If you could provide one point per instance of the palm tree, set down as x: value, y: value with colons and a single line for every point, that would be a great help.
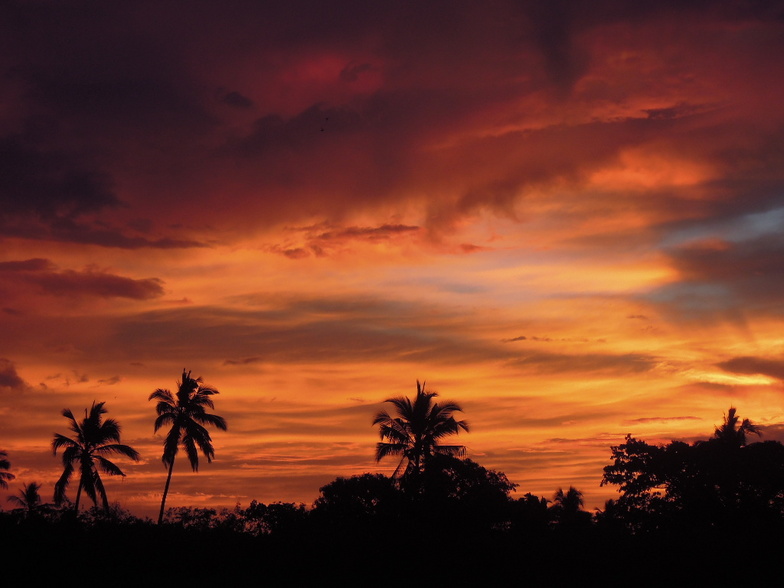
x: 415, y: 433
x: 568, y: 502
x: 567, y: 509
x: 732, y: 434
x: 29, y: 498
x: 186, y: 413
x: 93, y: 440
x: 5, y: 475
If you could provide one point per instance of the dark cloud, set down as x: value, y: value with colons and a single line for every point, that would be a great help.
x: 550, y: 339
x: 292, y: 336
x: 644, y: 420
x: 135, y: 117
x: 554, y: 33
x: 277, y: 137
x: 754, y: 365
x: 243, y: 361
x: 46, y: 195
x: 383, y: 232
x: 323, y: 239
x: 10, y: 381
x: 90, y: 235
x: 28, y: 265
x: 97, y: 283
x: 237, y: 100
x: 43, y: 274
x: 48, y: 184
x: 353, y: 71
x: 718, y: 276
x: 110, y: 381
x: 550, y: 363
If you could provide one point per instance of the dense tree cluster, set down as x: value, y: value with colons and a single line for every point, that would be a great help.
x: 722, y: 482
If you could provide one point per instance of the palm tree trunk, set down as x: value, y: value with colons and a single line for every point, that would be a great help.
x: 165, y: 492
x: 78, y: 496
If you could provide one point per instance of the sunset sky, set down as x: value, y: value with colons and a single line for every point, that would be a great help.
x: 565, y: 216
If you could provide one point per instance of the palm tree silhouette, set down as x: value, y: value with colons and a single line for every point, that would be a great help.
x: 5, y: 465
x: 568, y: 502
x: 93, y: 440
x: 733, y: 434
x: 415, y: 433
x: 29, y: 498
x: 186, y: 413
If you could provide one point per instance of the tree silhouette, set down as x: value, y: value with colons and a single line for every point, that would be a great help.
x: 732, y: 434
x: 362, y: 499
x: 5, y: 475
x: 94, y: 438
x: 416, y: 431
x: 567, y: 508
x: 717, y: 482
x: 29, y: 497
x: 186, y: 412
x: 570, y: 501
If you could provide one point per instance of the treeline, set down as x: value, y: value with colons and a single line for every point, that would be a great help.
x: 456, y: 523
x: 706, y: 512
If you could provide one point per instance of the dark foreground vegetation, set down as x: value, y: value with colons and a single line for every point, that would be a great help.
x: 453, y: 524
x: 707, y: 513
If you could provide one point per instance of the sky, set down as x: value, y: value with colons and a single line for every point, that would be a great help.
x: 565, y: 216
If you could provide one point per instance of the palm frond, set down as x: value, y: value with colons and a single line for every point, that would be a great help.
x: 190, y: 450
x: 108, y: 467
x: 62, y: 484
x: 164, y: 396
x: 171, y: 445
x: 211, y: 419
x: 165, y: 418
x: 118, y: 449
x: 59, y: 441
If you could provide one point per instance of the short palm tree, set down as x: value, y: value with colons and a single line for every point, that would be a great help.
x: 29, y: 497
x: 5, y: 475
x: 415, y: 433
x: 93, y: 439
x: 186, y: 412
x: 731, y: 433
x: 568, y: 502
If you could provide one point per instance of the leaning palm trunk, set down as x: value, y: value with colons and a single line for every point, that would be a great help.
x: 165, y: 492
x: 78, y: 496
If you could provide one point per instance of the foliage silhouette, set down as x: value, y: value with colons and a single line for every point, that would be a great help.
x: 186, y: 412
x: 415, y: 433
x: 5, y: 475
x: 29, y: 497
x: 567, y: 509
x: 94, y: 439
x: 530, y: 515
x: 359, y: 498
x: 732, y: 434
x: 719, y: 482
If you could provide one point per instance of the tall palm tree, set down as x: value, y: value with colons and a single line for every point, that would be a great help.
x: 733, y: 434
x: 416, y: 431
x: 29, y: 497
x: 5, y: 475
x: 186, y: 412
x: 94, y: 438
